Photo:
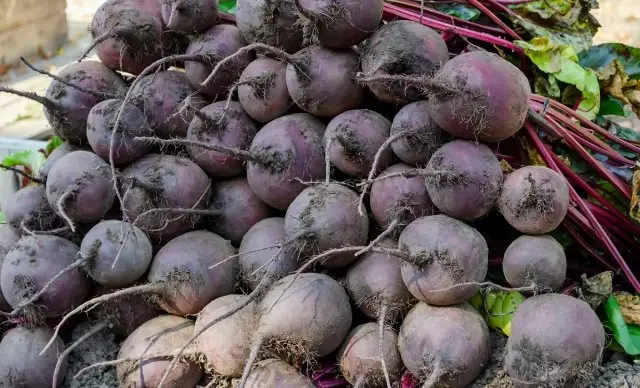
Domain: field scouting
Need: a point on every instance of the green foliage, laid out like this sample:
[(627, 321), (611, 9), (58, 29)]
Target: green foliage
[(3, 218), (227, 6), (560, 63), (602, 55), (458, 10), (626, 336)]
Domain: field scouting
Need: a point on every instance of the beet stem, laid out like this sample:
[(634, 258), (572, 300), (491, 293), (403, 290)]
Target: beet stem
[(100, 95), (494, 18), (47, 103), (62, 357), (21, 172)]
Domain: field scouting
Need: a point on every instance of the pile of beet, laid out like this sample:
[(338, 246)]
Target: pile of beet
[(307, 184)]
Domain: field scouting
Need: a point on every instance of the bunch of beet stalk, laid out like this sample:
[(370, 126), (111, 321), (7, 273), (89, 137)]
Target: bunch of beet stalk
[(593, 222)]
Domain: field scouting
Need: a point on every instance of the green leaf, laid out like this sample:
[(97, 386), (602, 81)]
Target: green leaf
[(30, 160), (561, 62), (564, 22), (52, 144), (628, 341), (227, 6), (602, 55), (612, 106), (3, 218), (458, 10), (561, 236)]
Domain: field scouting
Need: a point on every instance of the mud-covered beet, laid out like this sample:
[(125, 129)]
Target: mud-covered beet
[(490, 98), (544, 350), (58, 153), (402, 48), (445, 346), (165, 334), (22, 365), (136, 34), (262, 89), (399, 198), (375, 280), (359, 356), (183, 264), (464, 179), (161, 96), (256, 262), (323, 217), (226, 344), (80, 186), (127, 313), (69, 120), (534, 199), (355, 136), (322, 81), (277, 373), (32, 262), (164, 182), (7, 238), (292, 152), (100, 126), (342, 23), (224, 126), (238, 209), (102, 244), (453, 254), (189, 16), (423, 137), (29, 207), (535, 261), (272, 22), (216, 43)]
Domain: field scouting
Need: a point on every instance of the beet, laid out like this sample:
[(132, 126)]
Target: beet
[(423, 137), (262, 91), (189, 16), (273, 22)]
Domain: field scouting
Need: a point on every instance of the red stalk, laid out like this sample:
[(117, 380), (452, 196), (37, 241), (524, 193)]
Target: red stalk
[(599, 232), (495, 19), (611, 222), (552, 126), (584, 121), (393, 10), (573, 215)]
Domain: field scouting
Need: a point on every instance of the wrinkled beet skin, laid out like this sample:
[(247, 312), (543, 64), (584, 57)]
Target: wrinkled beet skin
[(181, 184), (165, 334), (226, 344), (359, 355), (89, 179), (376, 279), (21, 365), (454, 335), (253, 268), (31, 206), (219, 41), (351, 23), (357, 135), (530, 220), (271, 22), (70, 121), (472, 195), (402, 48), (230, 127), (132, 124), (493, 100), (449, 243), (416, 149), (296, 138), (189, 256), (189, 16), (272, 102), (323, 82), (328, 215), (134, 258), (537, 259), (140, 24), (322, 311), (32, 262), (160, 96), (541, 341), (240, 209), (401, 198)]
